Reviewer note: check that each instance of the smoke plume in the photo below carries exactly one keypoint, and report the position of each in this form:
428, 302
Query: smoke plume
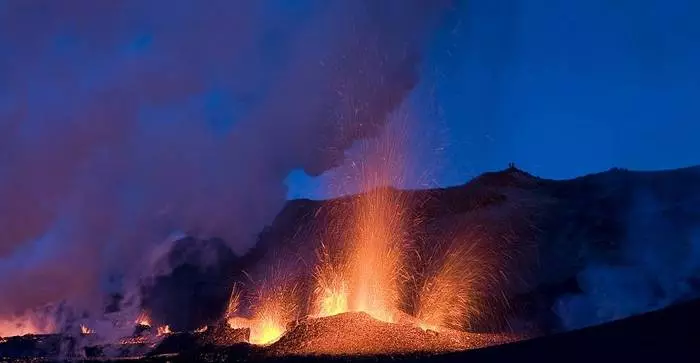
124, 121
657, 265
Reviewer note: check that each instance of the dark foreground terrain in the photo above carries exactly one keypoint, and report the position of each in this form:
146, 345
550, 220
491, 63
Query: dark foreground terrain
669, 335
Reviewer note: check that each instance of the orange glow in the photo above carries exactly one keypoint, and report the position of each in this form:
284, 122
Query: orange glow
331, 291
202, 329
275, 307
25, 325
376, 256
163, 330
133, 340
446, 299
365, 278
143, 320
85, 330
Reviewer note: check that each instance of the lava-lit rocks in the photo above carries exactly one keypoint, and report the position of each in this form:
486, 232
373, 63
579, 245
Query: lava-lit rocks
361, 334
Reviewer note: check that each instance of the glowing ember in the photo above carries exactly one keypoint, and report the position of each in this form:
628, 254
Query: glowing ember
202, 329
133, 340
376, 257
85, 330
163, 330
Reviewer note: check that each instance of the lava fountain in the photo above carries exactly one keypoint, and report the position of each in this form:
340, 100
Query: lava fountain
143, 320
363, 273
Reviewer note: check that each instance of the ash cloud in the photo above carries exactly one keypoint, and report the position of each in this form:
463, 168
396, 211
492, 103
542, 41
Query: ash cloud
121, 122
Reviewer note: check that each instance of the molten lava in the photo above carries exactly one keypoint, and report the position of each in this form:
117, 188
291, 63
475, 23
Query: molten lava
85, 330
143, 320
364, 275
331, 291
275, 306
163, 330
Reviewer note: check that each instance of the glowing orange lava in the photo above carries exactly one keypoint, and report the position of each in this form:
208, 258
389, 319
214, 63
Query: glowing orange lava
376, 256
202, 329
163, 330
366, 278
143, 320
331, 291
275, 307
85, 330
133, 340
446, 299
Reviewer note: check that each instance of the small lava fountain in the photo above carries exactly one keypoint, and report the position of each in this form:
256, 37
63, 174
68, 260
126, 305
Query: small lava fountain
446, 298
275, 306
143, 320
364, 275
163, 330
85, 330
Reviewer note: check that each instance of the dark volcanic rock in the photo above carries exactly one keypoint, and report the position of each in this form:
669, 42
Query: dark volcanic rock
544, 236
545, 243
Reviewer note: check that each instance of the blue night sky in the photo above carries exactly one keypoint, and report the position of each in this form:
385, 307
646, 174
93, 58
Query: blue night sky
561, 88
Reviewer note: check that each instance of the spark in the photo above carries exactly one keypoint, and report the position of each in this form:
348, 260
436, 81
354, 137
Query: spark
133, 340
331, 291
457, 273
234, 302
